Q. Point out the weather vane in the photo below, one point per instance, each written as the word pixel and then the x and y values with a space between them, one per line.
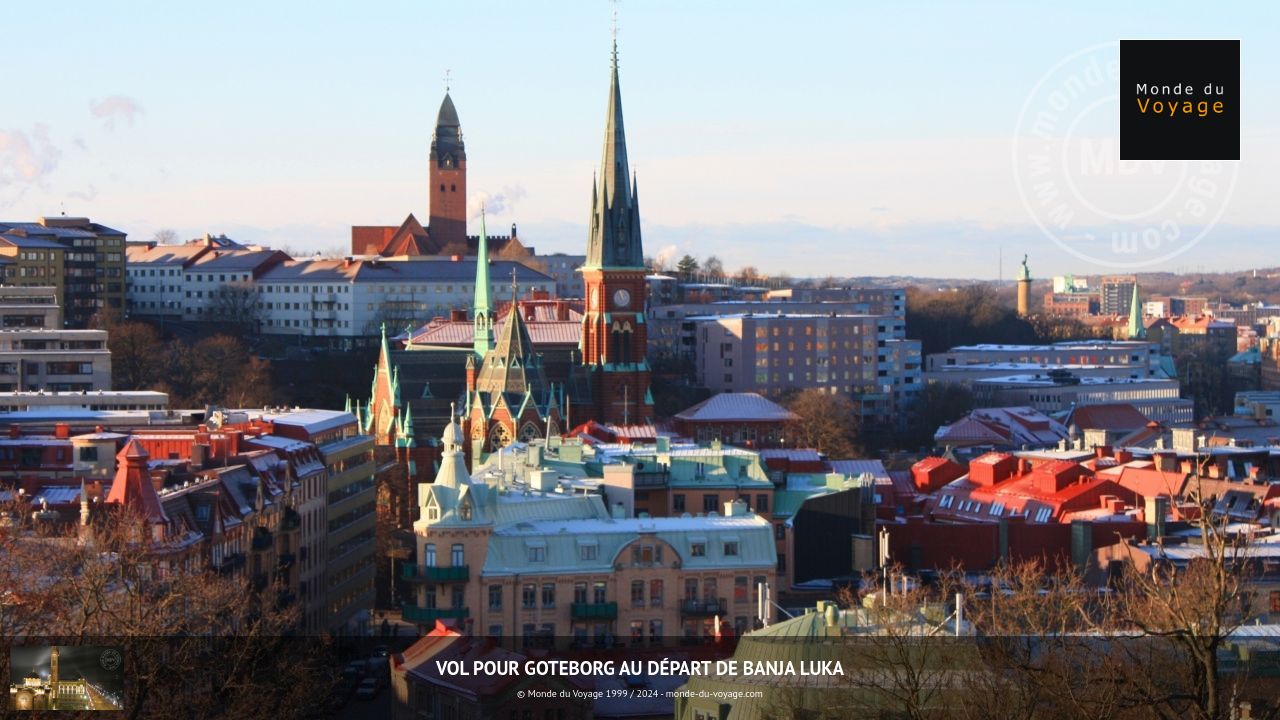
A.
pixel 447 76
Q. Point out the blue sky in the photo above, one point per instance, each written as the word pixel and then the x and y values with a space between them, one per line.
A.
pixel 846 138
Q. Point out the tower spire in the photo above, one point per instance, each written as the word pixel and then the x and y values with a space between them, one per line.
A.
pixel 482 340
pixel 1136 331
pixel 614 239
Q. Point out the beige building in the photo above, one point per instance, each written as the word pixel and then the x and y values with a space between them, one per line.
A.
pixel 54 360
pixel 32 262
pixel 34 306
pixel 538 560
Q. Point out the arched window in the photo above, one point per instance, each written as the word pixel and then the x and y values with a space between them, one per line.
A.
pixel 499 437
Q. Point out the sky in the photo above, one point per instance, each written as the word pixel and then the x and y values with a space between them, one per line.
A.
pixel 811 138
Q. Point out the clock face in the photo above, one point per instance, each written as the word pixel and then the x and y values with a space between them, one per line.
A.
pixel 621 298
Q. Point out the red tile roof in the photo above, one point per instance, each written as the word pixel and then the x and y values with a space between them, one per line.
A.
pixel 1110 416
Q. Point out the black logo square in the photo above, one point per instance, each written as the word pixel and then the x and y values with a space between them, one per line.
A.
pixel 1179 99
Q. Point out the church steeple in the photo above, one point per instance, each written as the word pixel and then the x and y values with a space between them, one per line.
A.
pixel 614 340
pixel 447 171
pixel 1135 331
pixel 482 341
pixel 614 239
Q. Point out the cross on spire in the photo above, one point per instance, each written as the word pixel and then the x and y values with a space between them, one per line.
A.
pixel 613 30
pixel 448 75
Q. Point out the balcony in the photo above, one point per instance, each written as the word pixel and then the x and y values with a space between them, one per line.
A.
pixel 704 607
pixel 413 613
pixel 594 611
pixel 455 574
pixel 651 479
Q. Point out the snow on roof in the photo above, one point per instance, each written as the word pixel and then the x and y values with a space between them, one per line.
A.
pixel 313 421
pixel 737 406
pixel 632 526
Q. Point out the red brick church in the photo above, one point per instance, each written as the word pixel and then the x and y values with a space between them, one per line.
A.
pixel 508 396
pixel 446 230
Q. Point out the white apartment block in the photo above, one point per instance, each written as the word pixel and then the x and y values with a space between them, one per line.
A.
pixel 349 300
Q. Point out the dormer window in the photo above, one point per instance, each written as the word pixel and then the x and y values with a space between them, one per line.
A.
pixel 464 510
pixel 433 513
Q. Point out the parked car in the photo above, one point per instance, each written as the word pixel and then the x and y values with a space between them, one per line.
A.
pixel 368 689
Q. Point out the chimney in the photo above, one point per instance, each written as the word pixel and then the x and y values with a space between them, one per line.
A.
pixel 1123 456
pixel 233 441
pixel 735 508
pixel 61 430
pixel 199 454
pixel 619 511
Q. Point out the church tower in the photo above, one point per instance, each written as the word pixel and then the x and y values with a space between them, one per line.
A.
pixel 481 306
pixel 614 338
pixel 448 178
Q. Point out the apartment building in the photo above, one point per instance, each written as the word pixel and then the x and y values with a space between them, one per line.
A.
pixel 53 360
pixel 540 560
pixel 92 277
pixel 867 356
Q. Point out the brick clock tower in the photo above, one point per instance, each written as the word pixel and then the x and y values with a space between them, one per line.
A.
pixel 614 335
pixel 448 178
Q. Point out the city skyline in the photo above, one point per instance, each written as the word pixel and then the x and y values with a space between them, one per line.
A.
pixel 818 142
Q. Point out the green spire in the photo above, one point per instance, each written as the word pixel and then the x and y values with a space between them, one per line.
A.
pixel 1136 330
pixel 482 340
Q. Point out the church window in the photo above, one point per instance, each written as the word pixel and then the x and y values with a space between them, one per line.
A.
pixel 529 432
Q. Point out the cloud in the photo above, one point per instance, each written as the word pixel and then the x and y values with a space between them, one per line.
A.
pixel 26 159
pixel 116 106
pixel 495 203
pixel 86 195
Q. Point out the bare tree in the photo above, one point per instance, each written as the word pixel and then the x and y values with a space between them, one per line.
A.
pixel 135 356
pixel 165 236
pixel 238 306
pixel 826 422
pixel 196 643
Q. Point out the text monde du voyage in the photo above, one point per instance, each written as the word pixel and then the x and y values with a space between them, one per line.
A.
pixel 1179 100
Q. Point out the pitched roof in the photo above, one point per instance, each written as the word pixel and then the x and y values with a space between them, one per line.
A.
pixel 1109 416
pixel 132 484
pixel 746 407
